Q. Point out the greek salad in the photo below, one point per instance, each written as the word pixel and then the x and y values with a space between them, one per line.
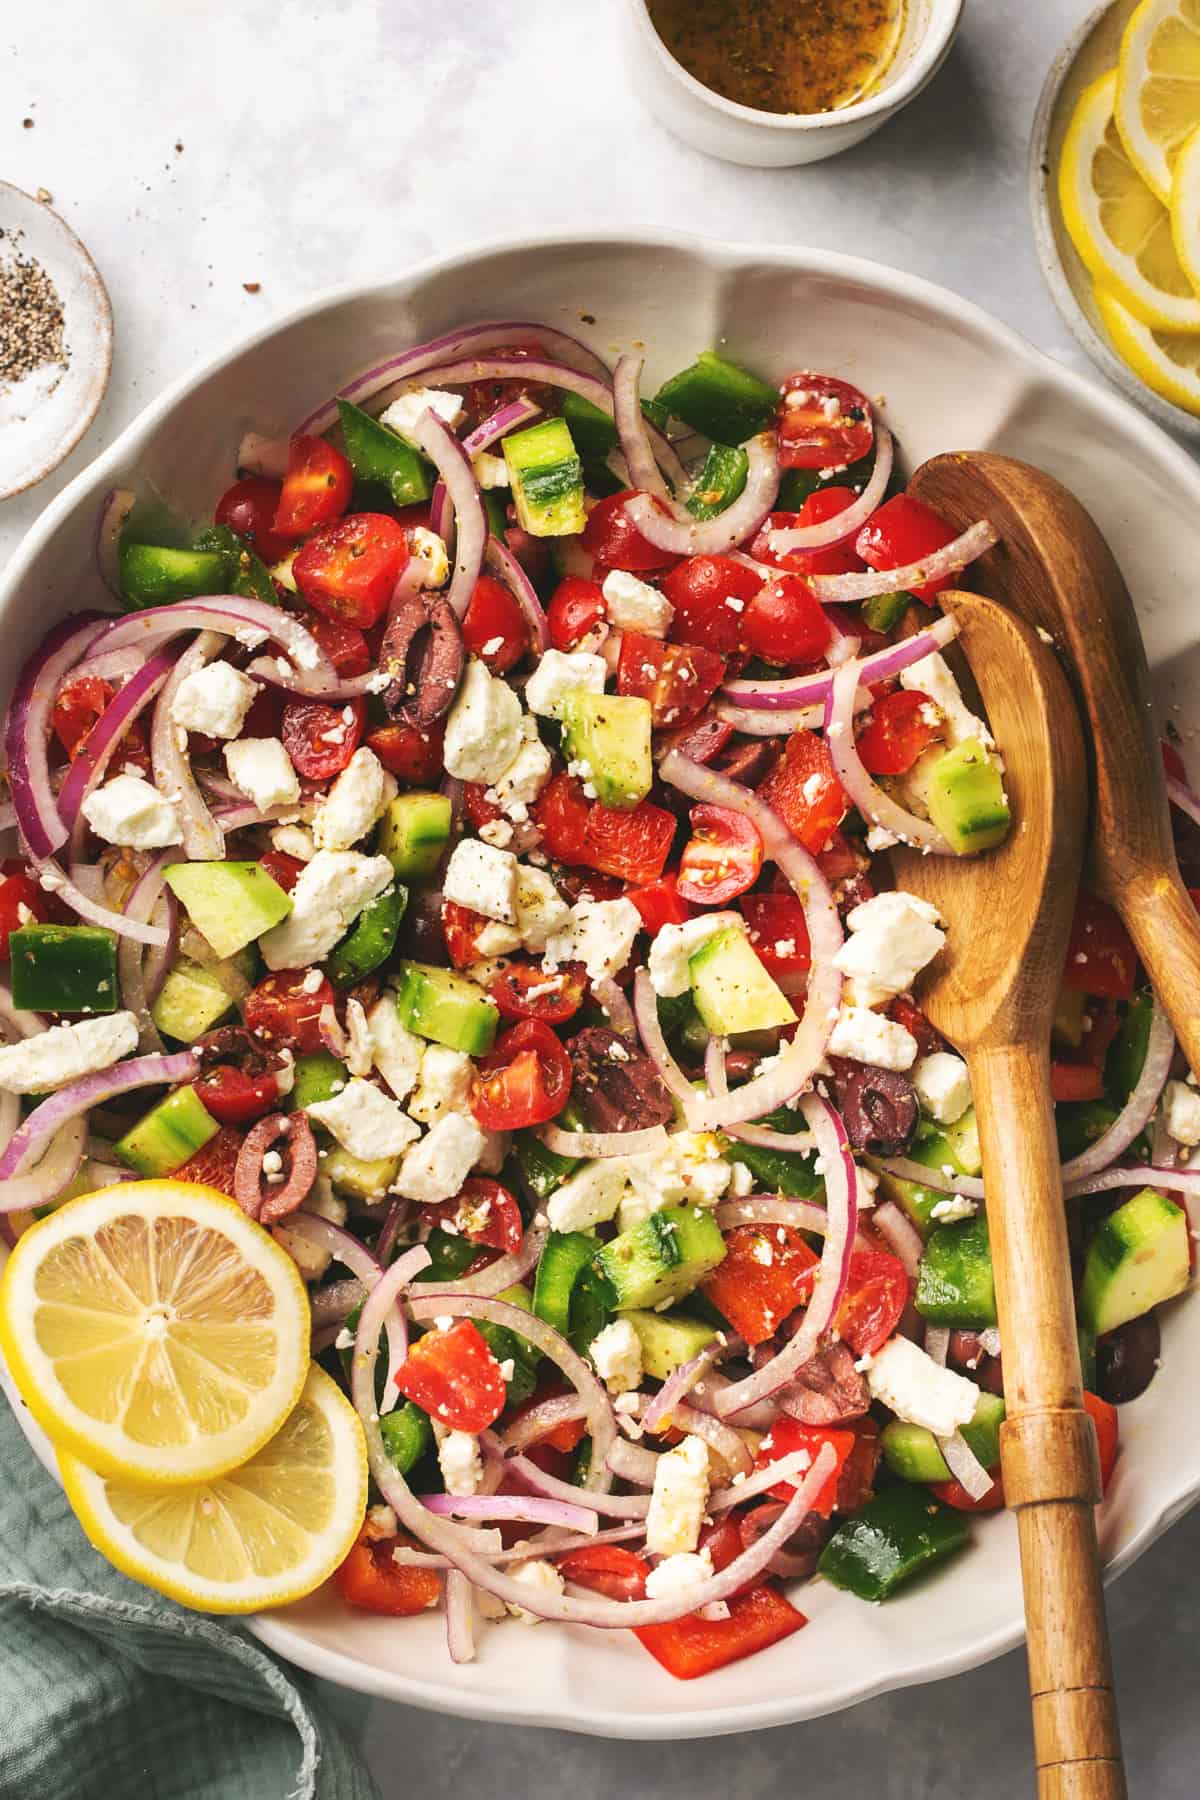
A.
pixel 468 853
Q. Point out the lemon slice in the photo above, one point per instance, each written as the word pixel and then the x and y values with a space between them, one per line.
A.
pixel 155 1331
pixel 1158 87
pixel 260 1536
pixel 1185 208
pixel 1167 361
pixel 1120 229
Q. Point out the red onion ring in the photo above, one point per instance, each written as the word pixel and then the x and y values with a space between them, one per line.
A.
pixel 547 1543
pixel 506 418
pixel 614 1506
pixel 259 1200
pixel 844 524
pixel 203 838
pixel 948 561
pixel 542 1417
pixel 55 880
pixel 631 427
pixel 782 1469
pixel 505 567
pixel 941 1183
pixel 902 1236
pixel 530 1509
pixel 1183 1181
pixel 216 612
pixel 1137 1110
pixel 937 1344
pixel 505 1272
pixel 615 1007
pixel 114 516
pixel 645 1011
pixel 965 1466
pixel 27 730
pixel 758 723
pixel 809 690
pixel 95 753
pixel 601 1143
pixel 721 1438
pixel 776 1209
pixel 45 1180
pixel 143 897
pixel 679 1385
pixel 633 1462
pixel 332 1036
pixel 345 1248
pixel 762 1135
pixel 740 520
pixel 876 807
pixel 444 451
pixel 460 1619
pixel 331 1305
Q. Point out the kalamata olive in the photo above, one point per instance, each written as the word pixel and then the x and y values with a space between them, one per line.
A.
pixel 879 1106
pixel 1127 1358
pixel 828 1390
pixel 236 1045
pixel 616 1086
pixel 423 652
pixel 420 936
pixel 748 762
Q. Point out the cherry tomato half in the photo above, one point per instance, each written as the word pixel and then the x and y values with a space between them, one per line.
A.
pixel 283 869
pixel 461 927
pixel 282 1013
pixel 348 571
pixel 76 710
pixel 902 532
pixel 411 754
pixel 875 1297
pixel 722 857
pixel 215 1164
pixel 776 927
pixel 524 990
pixel 606 1569
pixel 20 893
pixel 677 679
pixel 823 423
pixel 455 1378
pixel 561 814
pixel 483 1212
pixel 805 792
pixel 234 1097
pixel 632 846
pixel 493 614
pixel 831 559
pixel 1101 958
pixel 660 904
pixel 316 488
pixel 612 538
pixel 525 1080
pixel 701 590
pixel 249 508
pixel 321 739
pixel 576 607
pixel 344 645
pixel 785 622
pixel 901 726
pixel 788 1435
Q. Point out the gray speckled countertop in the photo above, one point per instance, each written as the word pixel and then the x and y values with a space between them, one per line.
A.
pixel 203 144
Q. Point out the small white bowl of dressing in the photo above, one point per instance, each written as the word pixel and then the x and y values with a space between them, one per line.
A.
pixel 773 83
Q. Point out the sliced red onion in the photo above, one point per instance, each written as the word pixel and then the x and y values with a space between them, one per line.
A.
pixel 334 1303
pixel 259 455
pixel 345 1248
pixel 252 1186
pixel 1181 795
pixel 94 755
pixel 965 1466
pixel 1137 1111
pixel 633 1462
pixel 786 1564
pixel 542 1418
pixel 937 1344
pixel 645 1011
pixel 1183 1181
pixel 547 1543
pixel 44 1180
pixel 309 686
pixel 740 520
pixel 229 613
pixel 763 1135
pixel 16 1021
pixel 756 722
pixel 809 690
pixel 719 1437
pixel 433 437
pixel 902 1236
pixel 460 1619
pixel 615 1007
pixel 784 1468
pixel 801 1058
pixel 55 880
pixel 706 1393
pixel 528 1509
pixel 114 516
pixel 876 807
pixel 935 1178
pixel 615 1506
pixel 602 1143
pixel 333 1038
pixel 505 567
pixel 679 1385
pixel 143 897
pixel 203 838
pixel 776 1209
pixel 27 730
pixel 396 1216
pixel 841 1193
pixel 71 1102
pixel 505 1272
pixel 631 427
pixel 948 561
pixel 844 524
pixel 506 418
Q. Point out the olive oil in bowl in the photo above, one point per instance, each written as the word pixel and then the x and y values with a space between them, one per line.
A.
pixel 783 56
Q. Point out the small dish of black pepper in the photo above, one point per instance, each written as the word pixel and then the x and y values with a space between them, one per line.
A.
pixel 55 340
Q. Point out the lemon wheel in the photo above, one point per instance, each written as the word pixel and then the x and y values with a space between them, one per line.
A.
pixel 1158 87
pixel 155 1331
pixel 261 1536
pixel 1185 208
pixel 1168 362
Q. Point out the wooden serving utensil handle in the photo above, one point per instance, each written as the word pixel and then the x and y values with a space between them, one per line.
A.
pixel 1048 1443
pixel 1161 918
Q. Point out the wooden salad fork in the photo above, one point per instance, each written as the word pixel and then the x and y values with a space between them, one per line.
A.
pixel 1054 569
pixel 992 991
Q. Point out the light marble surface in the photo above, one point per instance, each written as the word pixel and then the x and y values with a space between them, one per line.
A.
pixel 330 143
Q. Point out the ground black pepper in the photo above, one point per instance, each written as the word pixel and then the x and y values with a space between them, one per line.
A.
pixel 31 315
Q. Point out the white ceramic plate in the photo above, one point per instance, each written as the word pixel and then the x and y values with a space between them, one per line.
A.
pixel 952 379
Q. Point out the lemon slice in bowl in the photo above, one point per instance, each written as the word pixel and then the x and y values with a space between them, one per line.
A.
pixel 1167 361
pixel 1158 87
pixel 1185 208
pixel 262 1535
pixel 155 1331
pixel 1120 229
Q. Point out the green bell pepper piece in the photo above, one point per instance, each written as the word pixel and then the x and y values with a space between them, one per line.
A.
pixel 1127 1052
pixel 955 1285
pixel 381 456
pixel 899 1532
pixel 562 1262
pixel 778 1171
pixel 882 611
pixel 371 939
pixel 726 403
pixel 248 574
pixel 449 1254
pixel 407 1435
pixel 64 968
pixel 720 481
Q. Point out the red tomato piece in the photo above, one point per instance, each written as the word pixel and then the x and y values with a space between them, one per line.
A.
pixel 561 814
pixel 344 645
pixel 576 607
pixel 904 531
pixel 492 613
pixel 875 1297
pixel 830 559
pixel 478 808
pixel 410 754
pixel 282 1014
pixel 900 727
pixel 907 1013
pixel 767 1271
pixel 234 1097
pixel 776 927
pixel 19 893
pixel 700 590
pixel 693 1646
pixel 527 991
pixel 823 423
pixel 722 857
pixel 1104 1418
pixel 588 884
pixel 249 508
pixel 785 623
pixel 632 846
pixel 76 710
pixel 525 1080
pixel 678 680
pixel 857 1478
pixel 321 739
pixel 454 1377
pixel 348 571
pixel 316 488
pixel 461 928
pixel 786 1436
pixel 606 1569
pixel 281 868
pixel 214 1164
pixel 484 1212
pixel 952 1493
pixel 805 792
pixel 265 718
pixel 660 904
pixel 372 1580
pixel 1101 958
pixel 611 537
pixel 1076 1081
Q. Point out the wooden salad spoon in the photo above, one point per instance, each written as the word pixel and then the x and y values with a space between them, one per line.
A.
pixel 992 991
pixel 1054 568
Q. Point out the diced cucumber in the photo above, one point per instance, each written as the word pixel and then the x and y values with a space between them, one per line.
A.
pixel 229 903
pixel 962 1140
pixel 414 832
pixel 316 1076
pixel 662 1258
pixel 371 939
pixel 191 1001
pixel 610 734
pixel 547 479
pixel 912 1452
pixel 153 574
pixel 246 573
pixel 897 1533
pixel 378 454
pixel 669 1340
pixel 966 799
pixel 446 1007
pixel 591 1309
pixel 719 482
pixel 63 968
pixel 725 402
pixel 165 1137
pixel 362 1179
pixel 1138 1257
pixel 732 990
pixel 955 1285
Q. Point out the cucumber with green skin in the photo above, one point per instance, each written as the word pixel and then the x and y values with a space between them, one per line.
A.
pixel 662 1258
pixel 63 968
pixel 168 1135
pixel 731 989
pixel 446 1007
pixel 610 735
pixel 1138 1257
pixel 956 1285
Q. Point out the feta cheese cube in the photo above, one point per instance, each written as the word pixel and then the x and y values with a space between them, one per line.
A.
pixel 932 675
pixel 674 1575
pixel 867 1037
pixel 436 1168
pixel 445 1084
pixel 360 1047
pixel 294 840
pixel 600 934
pixel 920 1391
pixel 360 795
pixel 892 937
pixel 127 810
pixel 262 769
pixel 527 773
pixel 397 1050
pixel 674 944
pixel 634 605
pixel 943 1086
pixel 460 1462
pixel 65 1053
pixel 431 549
pixel 494 939
pixel 484 879
pixel 540 1577
pixel 328 896
pixel 616 1354
pixel 950 1211
pixel 490 471
pixel 403 414
pixel 678 1499
pixel 214 699
pixel 483 727
pixel 541 909
pixel 1181 1112
pixel 364 1121
pixel 563 672
pixel 589 1196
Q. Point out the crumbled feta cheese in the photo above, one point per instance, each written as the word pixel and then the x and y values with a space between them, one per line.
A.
pixel 932 675
pixel 943 1086
pixel 64 1053
pixel 1181 1112
pixel 616 1354
pixel 294 840
pixel 460 1462
pixel 538 1576
pixel 127 810
pixel 329 894
pixel 397 1050
pixel 431 549
pixel 920 1391
pixel 214 700
pixel 674 1575
pixel 674 944
pixel 880 838
pixel 262 769
pixel 498 832
pixel 563 672
pixel 892 937
pixel 436 1168
pixel 526 775
pixel 484 879
pixel 541 909
pixel 404 414
pixel 364 1121
pixel 360 1046
pixel 490 471
pixel 483 728
pixel 951 1210
pixel 445 1084
pixel 600 935
pixel 867 1037
pixel 589 1196
pixel 678 1498
pixel 634 605
pixel 689 1168
pixel 360 795
pixel 495 939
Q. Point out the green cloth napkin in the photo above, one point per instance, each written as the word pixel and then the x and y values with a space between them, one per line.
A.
pixel 108 1691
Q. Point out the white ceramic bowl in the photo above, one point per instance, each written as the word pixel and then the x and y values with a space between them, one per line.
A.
pixel 744 134
pixel 952 378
